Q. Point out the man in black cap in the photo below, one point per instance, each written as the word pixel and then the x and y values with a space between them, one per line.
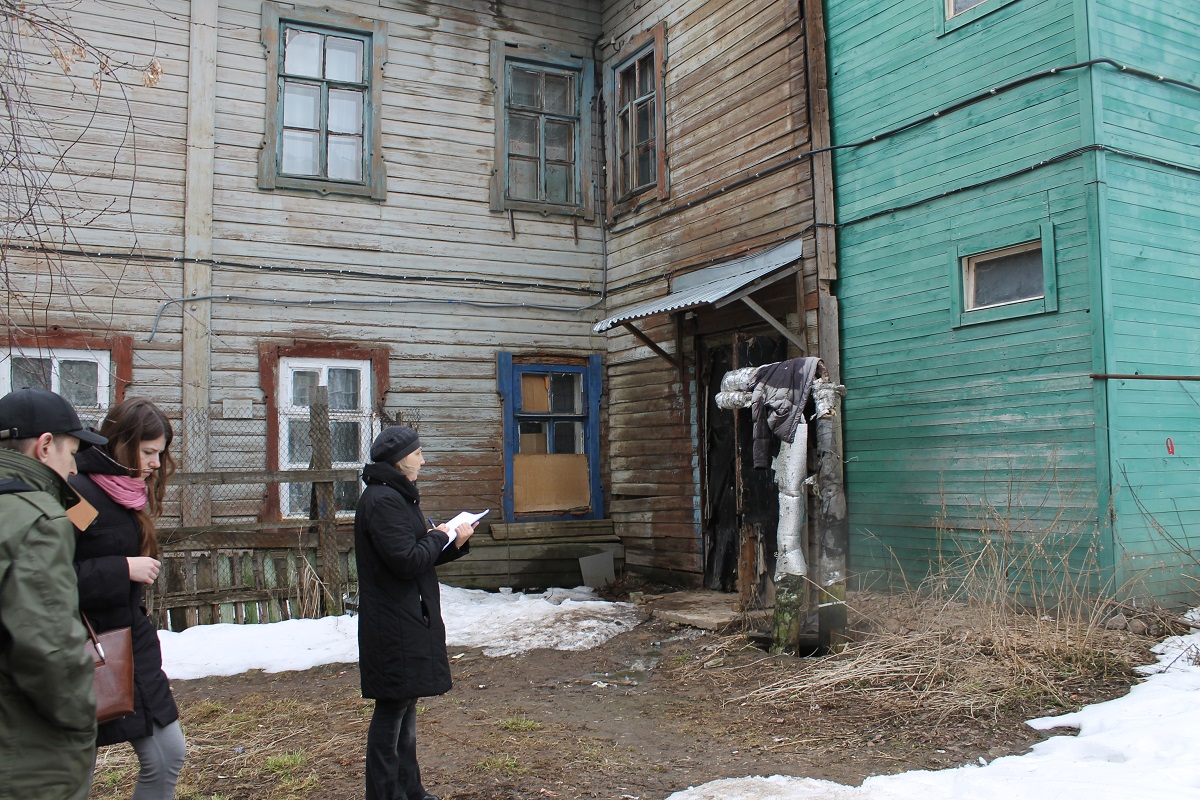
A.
pixel 47 708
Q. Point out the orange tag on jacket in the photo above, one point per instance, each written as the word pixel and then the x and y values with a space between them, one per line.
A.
pixel 82 514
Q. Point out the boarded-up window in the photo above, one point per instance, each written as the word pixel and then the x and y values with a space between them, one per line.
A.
pixel 551 447
pixel 1009 275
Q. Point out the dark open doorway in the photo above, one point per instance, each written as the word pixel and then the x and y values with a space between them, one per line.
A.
pixel 741 509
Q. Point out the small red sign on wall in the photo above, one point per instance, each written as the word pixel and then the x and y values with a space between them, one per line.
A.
pixel 1170 447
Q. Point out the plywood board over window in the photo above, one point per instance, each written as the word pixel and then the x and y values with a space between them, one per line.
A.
pixel 551 482
pixel 551 443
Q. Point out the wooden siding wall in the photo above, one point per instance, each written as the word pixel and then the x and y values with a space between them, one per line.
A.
pixel 1152 269
pixel 735 103
pixel 433 243
pixel 112 161
pixel 945 422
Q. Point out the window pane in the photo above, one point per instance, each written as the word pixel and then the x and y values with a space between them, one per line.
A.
pixel 645 123
pixel 344 390
pixel 532 438
pixel 646 75
pixel 303 382
pixel 523 135
pixel 299 446
pixel 963 5
pixel 343 59
pixel 1008 278
pixel 625 93
pixel 78 381
pixel 535 392
pixel 301 155
pixel 646 166
pixel 345 111
pixel 523 179
pixel 566 393
pixel 345 158
pixel 568 437
pixel 345 495
pixel 299 498
pixel 346 440
pixel 301 105
pixel 560 141
pixel 560 186
pixel 302 53
pixel 524 89
pixel 560 95
pixel 30 373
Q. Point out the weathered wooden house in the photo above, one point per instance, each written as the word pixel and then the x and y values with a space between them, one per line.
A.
pixel 432 209
pixel 1019 279
pixel 715 261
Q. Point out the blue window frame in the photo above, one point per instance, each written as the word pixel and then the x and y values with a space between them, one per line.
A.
pixel 551 438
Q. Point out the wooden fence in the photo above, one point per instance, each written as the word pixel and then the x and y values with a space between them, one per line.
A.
pixel 251 570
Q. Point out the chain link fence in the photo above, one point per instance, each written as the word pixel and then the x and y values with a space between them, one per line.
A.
pixel 246 537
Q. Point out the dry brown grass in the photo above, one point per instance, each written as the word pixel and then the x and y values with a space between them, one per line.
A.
pixel 923 659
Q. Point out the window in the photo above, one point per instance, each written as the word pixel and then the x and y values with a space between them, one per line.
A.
pixel 350 423
pixel 543 131
pixel 81 376
pixel 954 7
pixel 324 75
pixel 1003 275
pixel 635 98
pixel 552 432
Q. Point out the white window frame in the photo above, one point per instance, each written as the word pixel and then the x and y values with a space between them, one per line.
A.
pixel 286 411
pixel 951 13
pixel 102 359
pixel 970 262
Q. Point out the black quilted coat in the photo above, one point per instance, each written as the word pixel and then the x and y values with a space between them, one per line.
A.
pixel 111 600
pixel 401 636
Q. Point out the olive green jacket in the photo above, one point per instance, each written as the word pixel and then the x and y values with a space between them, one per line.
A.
pixel 47 707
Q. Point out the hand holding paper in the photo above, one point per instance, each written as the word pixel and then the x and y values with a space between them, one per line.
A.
pixel 462 518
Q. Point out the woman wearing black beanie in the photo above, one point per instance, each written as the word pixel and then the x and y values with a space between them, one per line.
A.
pixel 401 636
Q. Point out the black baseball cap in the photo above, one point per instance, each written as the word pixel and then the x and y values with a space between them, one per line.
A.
pixel 28 413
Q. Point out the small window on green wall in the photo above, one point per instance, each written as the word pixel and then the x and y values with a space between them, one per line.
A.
pixel 999 276
pixel 958 6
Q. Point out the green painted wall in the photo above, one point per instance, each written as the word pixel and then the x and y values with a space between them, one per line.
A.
pixel 998 426
pixel 980 427
pixel 1151 268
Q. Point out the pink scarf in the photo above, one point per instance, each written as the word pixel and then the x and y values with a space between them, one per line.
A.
pixel 126 491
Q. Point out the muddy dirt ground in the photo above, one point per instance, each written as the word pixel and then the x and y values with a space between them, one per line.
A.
pixel 631 719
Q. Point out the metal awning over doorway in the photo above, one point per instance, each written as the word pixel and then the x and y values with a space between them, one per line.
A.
pixel 718 285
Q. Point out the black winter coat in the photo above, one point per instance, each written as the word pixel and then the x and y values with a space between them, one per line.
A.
pixel 111 600
pixel 401 636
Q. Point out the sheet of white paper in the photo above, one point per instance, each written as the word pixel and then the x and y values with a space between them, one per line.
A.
pixel 460 518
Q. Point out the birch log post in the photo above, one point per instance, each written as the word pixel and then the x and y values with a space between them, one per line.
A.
pixel 831 527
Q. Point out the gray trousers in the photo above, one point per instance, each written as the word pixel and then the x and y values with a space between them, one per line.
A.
pixel 161 757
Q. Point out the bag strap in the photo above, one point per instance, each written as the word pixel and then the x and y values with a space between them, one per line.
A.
pixel 92 636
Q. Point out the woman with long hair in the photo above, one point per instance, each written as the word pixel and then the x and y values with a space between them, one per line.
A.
pixel 116 558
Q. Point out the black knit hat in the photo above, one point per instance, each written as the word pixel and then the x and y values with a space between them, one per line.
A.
pixel 28 413
pixel 393 444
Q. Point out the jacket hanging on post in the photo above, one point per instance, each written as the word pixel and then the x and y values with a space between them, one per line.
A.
pixel 779 394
